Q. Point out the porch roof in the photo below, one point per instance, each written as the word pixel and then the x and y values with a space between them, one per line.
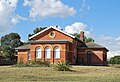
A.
pixel 23 47
pixel 94 45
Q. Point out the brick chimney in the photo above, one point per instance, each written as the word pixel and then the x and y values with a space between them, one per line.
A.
pixel 82 37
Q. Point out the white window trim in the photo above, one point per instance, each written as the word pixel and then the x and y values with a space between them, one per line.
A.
pixel 46 55
pixel 38 51
pixel 57 57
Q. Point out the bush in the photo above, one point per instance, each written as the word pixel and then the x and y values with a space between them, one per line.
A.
pixel 7 61
pixel 38 63
pixel 33 62
pixel 114 60
pixel 46 63
pixel 62 66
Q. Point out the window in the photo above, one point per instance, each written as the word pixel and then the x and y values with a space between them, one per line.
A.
pixel 52 34
pixel 29 55
pixel 47 52
pixel 38 52
pixel 57 52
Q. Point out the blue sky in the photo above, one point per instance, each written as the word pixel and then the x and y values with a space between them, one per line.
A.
pixel 99 19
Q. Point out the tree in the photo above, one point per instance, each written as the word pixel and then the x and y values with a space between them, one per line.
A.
pixel 87 39
pixel 76 35
pixel 114 60
pixel 8 44
pixel 37 30
pixel 0 51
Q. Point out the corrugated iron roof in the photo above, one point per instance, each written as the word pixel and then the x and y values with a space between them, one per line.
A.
pixel 23 47
pixel 94 45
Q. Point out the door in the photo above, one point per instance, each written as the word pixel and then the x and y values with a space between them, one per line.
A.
pixel 89 58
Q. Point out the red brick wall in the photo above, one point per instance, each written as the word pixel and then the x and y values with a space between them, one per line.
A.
pixel 51 46
pixel 63 47
pixel 22 55
pixel 69 49
pixel 98 56
pixel 58 36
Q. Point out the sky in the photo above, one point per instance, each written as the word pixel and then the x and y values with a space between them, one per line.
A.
pixel 99 19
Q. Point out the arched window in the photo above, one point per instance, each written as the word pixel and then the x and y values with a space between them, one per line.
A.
pixel 47 52
pixel 57 52
pixel 38 52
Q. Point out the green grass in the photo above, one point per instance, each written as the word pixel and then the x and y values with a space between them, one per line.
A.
pixel 42 74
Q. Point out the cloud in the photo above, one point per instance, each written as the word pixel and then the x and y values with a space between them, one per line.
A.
pixel 16 19
pixel 118 43
pixel 77 27
pixel 7 14
pixel 109 42
pixel 48 8
pixel 118 38
pixel 84 7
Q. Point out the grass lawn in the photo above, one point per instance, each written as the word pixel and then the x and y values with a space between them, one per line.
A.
pixel 42 74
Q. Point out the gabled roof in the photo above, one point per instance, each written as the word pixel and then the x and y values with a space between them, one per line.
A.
pixel 94 45
pixel 53 27
pixel 23 47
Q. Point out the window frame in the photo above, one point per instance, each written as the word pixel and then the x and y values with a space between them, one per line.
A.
pixel 47 53
pixel 56 51
pixel 38 53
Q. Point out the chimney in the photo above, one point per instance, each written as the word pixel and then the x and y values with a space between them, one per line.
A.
pixel 82 37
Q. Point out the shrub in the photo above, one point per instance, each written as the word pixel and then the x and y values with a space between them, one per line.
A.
pixel 38 63
pixel 33 62
pixel 114 60
pixel 62 66
pixel 46 63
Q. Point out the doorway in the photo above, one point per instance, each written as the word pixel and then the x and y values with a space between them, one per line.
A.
pixel 89 58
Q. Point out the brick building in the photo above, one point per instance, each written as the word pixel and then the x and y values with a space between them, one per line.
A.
pixel 53 44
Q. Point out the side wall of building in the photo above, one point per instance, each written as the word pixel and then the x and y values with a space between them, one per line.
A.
pixel 98 56
pixel 68 51
pixel 23 55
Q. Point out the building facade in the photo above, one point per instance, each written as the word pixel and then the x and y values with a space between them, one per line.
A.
pixel 53 44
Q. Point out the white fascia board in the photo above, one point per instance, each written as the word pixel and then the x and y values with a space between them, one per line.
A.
pixel 54 27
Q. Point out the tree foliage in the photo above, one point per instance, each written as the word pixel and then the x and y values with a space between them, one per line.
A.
pixel 0 51
pixel 8 44
pixel 87 39
pixel 37 30
pixel 114 60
